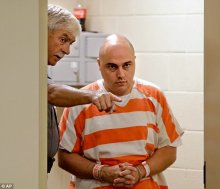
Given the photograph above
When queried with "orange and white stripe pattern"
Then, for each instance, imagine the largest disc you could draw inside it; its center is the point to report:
(142, 123)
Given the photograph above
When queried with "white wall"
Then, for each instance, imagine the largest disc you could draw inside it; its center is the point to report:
(168, 38)
(23, 86)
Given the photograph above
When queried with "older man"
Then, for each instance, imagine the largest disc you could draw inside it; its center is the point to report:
(130, 147)
(63, 28)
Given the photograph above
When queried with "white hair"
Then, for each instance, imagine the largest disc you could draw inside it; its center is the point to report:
(61, 18)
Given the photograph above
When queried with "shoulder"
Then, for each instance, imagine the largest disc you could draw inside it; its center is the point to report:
(95, 86)
(146, 87)
(151, 91)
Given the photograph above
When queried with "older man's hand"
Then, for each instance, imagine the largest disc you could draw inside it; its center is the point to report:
(104, 101)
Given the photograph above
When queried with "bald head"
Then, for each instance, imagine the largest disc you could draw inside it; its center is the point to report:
(115, 41)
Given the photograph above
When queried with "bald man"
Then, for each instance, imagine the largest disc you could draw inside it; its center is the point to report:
(130, 147)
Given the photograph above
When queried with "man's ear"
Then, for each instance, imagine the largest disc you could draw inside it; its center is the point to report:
(98, 62)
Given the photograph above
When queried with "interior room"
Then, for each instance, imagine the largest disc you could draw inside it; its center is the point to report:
(177, 46)
(169, 40)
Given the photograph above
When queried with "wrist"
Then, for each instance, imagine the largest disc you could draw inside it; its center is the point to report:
(97, 172)
(90, 96)
(146, 168)
(139, 172)
(143, 170)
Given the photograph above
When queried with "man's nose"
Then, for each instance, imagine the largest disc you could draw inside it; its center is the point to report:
(66, 48)
(120, 72)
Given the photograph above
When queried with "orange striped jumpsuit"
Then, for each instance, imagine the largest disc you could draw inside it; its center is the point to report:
(141, 124)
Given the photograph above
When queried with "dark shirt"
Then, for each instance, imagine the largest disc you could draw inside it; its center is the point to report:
(53, 134)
